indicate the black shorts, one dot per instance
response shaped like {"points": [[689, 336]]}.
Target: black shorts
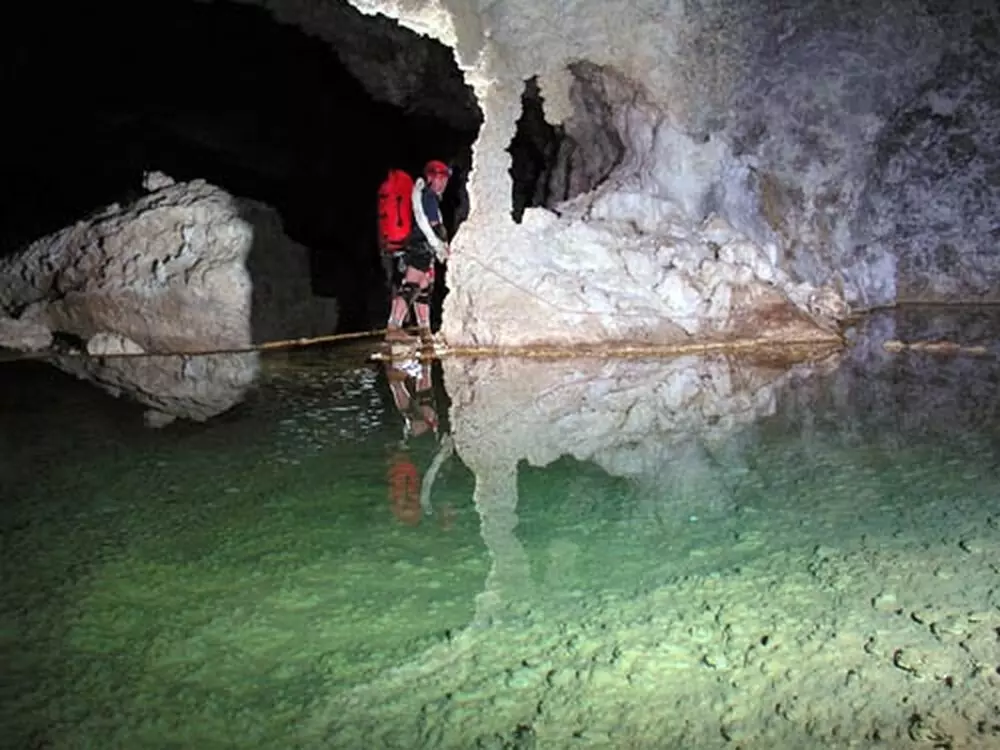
{"points": [[420, 258]]}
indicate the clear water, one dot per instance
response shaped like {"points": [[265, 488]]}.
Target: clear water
{"points": [[628, 554]]}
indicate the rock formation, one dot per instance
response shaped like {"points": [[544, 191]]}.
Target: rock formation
{"points": [[933, 197], [166, 272], [718, 170], [819, 134], [170, 274]]}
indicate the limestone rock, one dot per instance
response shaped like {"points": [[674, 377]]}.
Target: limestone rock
{"points": [[24, 335], [780, 119], [156, 180], [112, 343], [934, 200], [624, 266], [167, 272], [187, 268], [418, 77], [283, 303]]}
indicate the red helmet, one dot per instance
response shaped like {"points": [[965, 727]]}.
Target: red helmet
{"points": [[435, 168]]}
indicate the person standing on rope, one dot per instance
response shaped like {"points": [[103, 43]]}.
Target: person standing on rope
{"points": [[427, 241]]}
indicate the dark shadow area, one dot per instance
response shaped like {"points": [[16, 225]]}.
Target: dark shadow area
{"points": [[533, 152], [219, 91]]}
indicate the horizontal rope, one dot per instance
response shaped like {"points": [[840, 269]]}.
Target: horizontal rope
{"points": [[264, 346], [607, 350]]}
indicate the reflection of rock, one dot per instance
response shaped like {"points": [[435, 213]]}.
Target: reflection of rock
{"points": [[186, 268], [663, 424], [947, 396], [495, 498], [632, 418], [195, 388]]}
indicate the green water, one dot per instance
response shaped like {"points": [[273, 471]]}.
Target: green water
{"points": [[815, 576]]}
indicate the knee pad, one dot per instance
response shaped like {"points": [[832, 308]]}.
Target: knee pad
{"points": [[409, 291], [424, 296]]}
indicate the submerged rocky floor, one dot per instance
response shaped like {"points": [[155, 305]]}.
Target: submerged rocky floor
{"points": [[802, 560]]}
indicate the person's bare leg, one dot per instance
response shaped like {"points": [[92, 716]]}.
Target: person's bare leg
{"points": [[423, 311], [397, 317], [412, 282], [422, 308]]}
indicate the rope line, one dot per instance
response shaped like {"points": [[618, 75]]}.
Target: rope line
{"points": [[265, 346], [608, 350]]}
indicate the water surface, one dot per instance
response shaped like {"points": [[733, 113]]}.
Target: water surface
{"points": [[698, 552]]}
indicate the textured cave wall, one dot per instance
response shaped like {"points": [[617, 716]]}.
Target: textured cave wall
{"points": [[781, 118], [933, 198], [824, 133], [801, 125]]}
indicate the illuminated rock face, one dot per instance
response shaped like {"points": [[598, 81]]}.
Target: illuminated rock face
{"points": [[174, 271], [817, 135], [720, 170], [167, 272]]}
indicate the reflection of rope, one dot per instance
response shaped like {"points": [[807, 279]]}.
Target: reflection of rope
{"points": [[902, 304], [424, 352], [786, 347], [940, 347]]}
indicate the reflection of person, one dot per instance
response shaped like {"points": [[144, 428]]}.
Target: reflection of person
{"points": [[412, 391]]}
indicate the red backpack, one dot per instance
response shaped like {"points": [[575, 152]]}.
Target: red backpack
{"points": [[395, 213]]}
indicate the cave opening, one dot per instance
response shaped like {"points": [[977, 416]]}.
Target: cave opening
{"points": [[224, 92], [533, 151], [550, 163]]}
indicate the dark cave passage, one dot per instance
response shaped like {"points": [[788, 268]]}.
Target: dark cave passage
{"points": [[553, 163], [533, 151], [219, 91]]}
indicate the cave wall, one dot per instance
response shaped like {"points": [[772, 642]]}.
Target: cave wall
{"points": [[380, 52], [821, 132], [932, 200], [853, 143], [261, 108], [782, 118], [800, 123]]}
